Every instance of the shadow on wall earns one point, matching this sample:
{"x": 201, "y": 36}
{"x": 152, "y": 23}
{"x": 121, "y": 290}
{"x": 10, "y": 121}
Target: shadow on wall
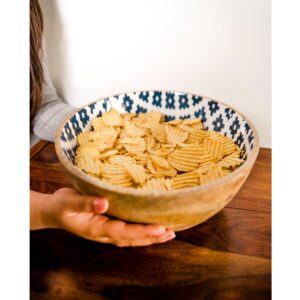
{"x": 55, "y": 43}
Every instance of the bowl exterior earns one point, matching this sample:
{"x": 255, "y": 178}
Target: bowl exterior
{"x": 179, "y": 209}
{"x": 177, "y": 212}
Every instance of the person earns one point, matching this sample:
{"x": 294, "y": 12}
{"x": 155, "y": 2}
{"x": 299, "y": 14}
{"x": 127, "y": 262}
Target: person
{"x": 67, "y": 209}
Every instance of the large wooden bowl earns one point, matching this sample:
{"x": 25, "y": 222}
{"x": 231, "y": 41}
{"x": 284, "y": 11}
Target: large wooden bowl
{"x": 178, "y": 209}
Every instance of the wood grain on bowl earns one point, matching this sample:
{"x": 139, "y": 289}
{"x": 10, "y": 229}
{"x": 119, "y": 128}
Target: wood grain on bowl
{"x": 226, "y": 257}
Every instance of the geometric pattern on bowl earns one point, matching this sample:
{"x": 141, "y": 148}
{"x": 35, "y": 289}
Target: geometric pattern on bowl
{"x": 174, "y": 105}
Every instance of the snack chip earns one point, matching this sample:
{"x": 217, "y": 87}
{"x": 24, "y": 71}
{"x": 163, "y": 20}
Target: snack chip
{"x": 112, "y": 118}
{"x": 215, "y": 148}
{"x": 87, "y": 151}
{"x": 150, "y": 143}
{"x": 128, "y": 116}
{"x": 141, "y": 158}
{"x": 142, "y": 151}
{"x": 90, "y": 165}
{"x": 133, "y": 130}
{"x": 185, "y": 180}
{"x": 84, "y": 138}
{"x": 136, "y": 172}
{"x": 191, "y": 121}
{"x": 107, "y": 154}
{"x": 161, "y": 184}
{"x": 228, "y": 144}
{"x": 107, "y": 135}
{"x": 176, "y": 135}
{"x": 160, "y": 162}
{"x": 230, "y": 161}
{"x": 121, "y": 159}
{"x": 186, "y": 127}
{"x": 189, "y": 158}
{"x": 213, "y": 173}
{"x": 134, "y": 145}
{"x": 174, "y": 122}
{"x": 164, "y": 152}
{"x": 197, "y": 136}
{"x": 159, "y": 132}
{"x": 100, "y": 145}
{"x": 98, "y": 123}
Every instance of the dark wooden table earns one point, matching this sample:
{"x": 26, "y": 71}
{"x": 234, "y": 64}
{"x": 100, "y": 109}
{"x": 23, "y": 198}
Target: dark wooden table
{"x": 227, "y": 257}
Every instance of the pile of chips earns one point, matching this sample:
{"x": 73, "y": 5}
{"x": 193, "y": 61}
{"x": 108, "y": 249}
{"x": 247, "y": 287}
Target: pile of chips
{"x": 142, "y": 151}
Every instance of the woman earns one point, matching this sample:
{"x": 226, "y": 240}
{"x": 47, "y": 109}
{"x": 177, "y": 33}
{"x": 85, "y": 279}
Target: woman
{"x": 66, "y": 208}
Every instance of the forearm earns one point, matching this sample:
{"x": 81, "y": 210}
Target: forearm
{"x": 39, "y": 204}
{"x": 49, "y": 118}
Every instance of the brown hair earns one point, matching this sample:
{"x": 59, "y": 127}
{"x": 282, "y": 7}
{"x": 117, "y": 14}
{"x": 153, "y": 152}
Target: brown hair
{"x": 36, "y": 52}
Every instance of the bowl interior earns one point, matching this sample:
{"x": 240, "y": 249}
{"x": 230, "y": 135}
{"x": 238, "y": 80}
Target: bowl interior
{"x": 214, "y": 115}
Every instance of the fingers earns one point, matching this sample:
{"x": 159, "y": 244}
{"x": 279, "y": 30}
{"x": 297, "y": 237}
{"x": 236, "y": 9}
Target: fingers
{"x": 169, "y": 235}
{"x": 135, "y": 231}
{"x": 90, "y": 204}
{"x": 123, "y": 234}
{"x": 100, "y": 205}
{"x": 83, "y": 217}
{"x": 83, "y": 203}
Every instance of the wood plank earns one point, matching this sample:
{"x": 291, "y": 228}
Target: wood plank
{"x": 255, "y": 194}
{"x": 37, "y": 148}
{"x": 233, "y": 230}
{"x": 47, "y": 186}
{"x": 175, "y": 267}
{"x": 230, "y": 288}
{"x": 63, "y": 292}
{"x": 47, "y": 155}
{"x": 55, "y": 172}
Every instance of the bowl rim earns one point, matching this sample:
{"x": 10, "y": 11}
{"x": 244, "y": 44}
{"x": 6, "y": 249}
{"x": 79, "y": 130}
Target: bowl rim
{"x": 98, "y": 183}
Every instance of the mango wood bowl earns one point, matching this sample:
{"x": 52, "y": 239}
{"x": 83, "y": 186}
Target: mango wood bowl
{"x": 176, "y": 209}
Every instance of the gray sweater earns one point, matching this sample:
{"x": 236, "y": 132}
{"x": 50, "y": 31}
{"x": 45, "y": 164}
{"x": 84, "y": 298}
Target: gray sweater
{"x": 52, "y": 111}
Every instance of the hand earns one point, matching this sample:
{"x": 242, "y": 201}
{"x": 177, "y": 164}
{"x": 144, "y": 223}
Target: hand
{"x": 82, "y": 215}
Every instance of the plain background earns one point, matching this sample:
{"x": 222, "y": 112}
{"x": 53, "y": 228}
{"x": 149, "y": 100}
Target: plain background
{"x": 219, "y": 49}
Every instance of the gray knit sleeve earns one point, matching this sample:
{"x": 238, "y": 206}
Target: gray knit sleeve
{"x": 52, "y": 110}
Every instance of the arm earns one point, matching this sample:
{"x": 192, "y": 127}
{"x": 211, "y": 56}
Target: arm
{"x": 38, "y": 205}
{"x": 52, "y": 110}
{"x": 83, "y": 216}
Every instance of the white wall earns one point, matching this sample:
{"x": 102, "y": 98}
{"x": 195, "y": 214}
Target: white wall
{"x": 216, "y": 48}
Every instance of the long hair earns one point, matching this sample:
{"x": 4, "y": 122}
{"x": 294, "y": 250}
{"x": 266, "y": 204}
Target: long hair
{"x": 36, "y": 53}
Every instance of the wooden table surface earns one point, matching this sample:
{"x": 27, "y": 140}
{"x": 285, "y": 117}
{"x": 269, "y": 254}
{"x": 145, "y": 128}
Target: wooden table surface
{"x": 226, "y": 257}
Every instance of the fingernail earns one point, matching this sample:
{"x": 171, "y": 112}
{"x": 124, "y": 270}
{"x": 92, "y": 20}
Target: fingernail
{"x": 100, "y": 205}
{"x": 160, "y": 230}
{"x": 172, "y": 236}
{"x": 169, "y": 237}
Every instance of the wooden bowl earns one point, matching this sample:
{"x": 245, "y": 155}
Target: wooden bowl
{"x": 177, "y": 209}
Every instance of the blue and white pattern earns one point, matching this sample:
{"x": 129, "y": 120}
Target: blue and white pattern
{"x": 174, "y": 105}
{"x": 170, "y": 101}
{"x": 144, "y": 96}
